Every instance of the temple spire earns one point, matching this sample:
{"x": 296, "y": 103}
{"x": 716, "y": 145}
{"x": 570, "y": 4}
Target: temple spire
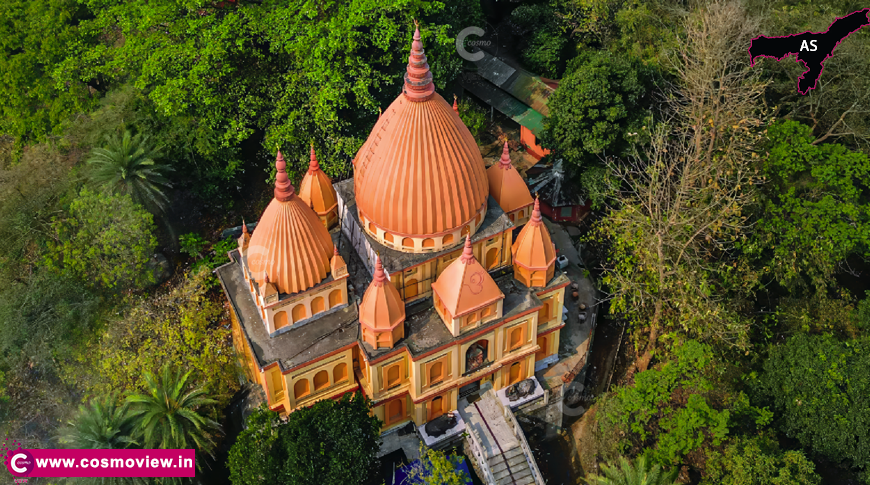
{"x": 283, "y": 188}
{"x": 536, "y": 212}
{"x": 313, "y": 165}
{"x": 467, "y": 252}
{"x": 379, "y": 276}
{"x": 418, "y": 78}
{"x": 505, "y": 161}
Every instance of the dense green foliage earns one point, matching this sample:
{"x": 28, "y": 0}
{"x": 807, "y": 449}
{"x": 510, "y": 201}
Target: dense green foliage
{"x": 818, "y": 386}
{"x": 598, "y": 108}
{"x": 332, "y": 442}
{"x": 815, "y": 213}
{"x": 105, "y": 239}
{"x": 760, "y": 461}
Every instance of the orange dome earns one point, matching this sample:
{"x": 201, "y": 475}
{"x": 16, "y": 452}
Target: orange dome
{"x": 290, "y": 244}
{"x": 464, "y": 286}
{"x": 382, "y": 311}
{"x": 316, "y": 188}
{"x": 420, "y": 172}
{"x": 533, "y": 250}
{"x": 506, "y": 185}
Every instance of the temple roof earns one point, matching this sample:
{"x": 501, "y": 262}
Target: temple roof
{"x": 533, "y": 248}
{"x": 381, "y": 308}
{"x": 316, "y": 188}
{"x": 420, "y": 172}
{"x": 465, "y": 286}
{"x": 506, "y": 185}
{"x": 290, "y": 244}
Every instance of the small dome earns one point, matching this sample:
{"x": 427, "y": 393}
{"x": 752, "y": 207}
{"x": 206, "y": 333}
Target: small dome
{"x": 382, "y": 311}
{"x": 464, "y": 285}
{"x": 290, "y": 243}
{"x": 533, "y": 250}
{"x": 420, "y": 173}
{"x": 316, "y": 188}
{"x": 506, "y": 185}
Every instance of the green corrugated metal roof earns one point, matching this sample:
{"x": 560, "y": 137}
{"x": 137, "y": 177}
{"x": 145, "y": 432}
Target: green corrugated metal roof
{"x": 505, "y": 103}
{"x": 521, "y": 84}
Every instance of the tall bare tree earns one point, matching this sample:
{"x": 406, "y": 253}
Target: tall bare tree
{"x": 678, "y": 211}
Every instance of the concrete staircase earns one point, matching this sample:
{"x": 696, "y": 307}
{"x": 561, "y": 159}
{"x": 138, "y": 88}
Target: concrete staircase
{"x": 500, "y": 450}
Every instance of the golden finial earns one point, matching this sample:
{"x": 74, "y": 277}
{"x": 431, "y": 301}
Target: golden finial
{"x": 416, "y": 23}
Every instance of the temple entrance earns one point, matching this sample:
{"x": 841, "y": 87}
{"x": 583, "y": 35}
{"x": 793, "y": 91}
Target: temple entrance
{"x": 476, "y": 356}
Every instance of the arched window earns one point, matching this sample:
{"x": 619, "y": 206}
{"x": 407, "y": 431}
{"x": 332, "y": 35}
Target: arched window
{"x": 544, "y": 313}
{"x": 515, "y": 374}
{"x": 436, "y": 373}
{"x": 428, "y": 243}
{"x": 410, "y": 288}
{"x": 339, "y": 373}
{"x": 436, "y": 408}
{"x": 388, "y": 237}
{"x": 299, "y": 313}
{"x": 317, "y": 305}
{"x": 281, "y": 320}
{"x": 394, "y": 376}
{"x": 321, "y": 380}
{"x": 301, "y": 389}
{"x": 466, "y": 230}
{"x": 543, "y": 352}
{"x": 334, "y": 298}
{"x": 372, "y": 228}
{"x": 448, "y": 239}
{"x": 486, "y": 312}
{"x": 407, "y": 243}
{"x": 492, "y": 258}
{"x": 511, "y": 216}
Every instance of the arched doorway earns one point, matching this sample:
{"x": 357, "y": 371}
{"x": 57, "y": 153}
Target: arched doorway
{"x": 281, "y": 320}
{"x": 515, "y": 373}
{"x": 317, "y": 305}
{"x": 334, "y": 298}
{"x": 436, "y": 408}
{"x": 476, "y": 355}
{"x": 301, "y": 389}
{"x": 395, "y": 411}
{"x": 492, "y": 258}
{"x": 542, "y": 353}
{"x": 299, "y": 313}
{"x": 544, "y": 313}
{"x": 321, "y": 380}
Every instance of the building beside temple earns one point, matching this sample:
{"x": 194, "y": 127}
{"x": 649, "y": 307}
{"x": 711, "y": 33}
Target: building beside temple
{"x": 403, "y": 282}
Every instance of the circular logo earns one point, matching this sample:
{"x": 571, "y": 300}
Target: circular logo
{"x": 471, "y": 40}
{"x": 20, "y": 463}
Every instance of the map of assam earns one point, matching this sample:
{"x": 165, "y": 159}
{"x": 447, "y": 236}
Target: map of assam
{"x": 809, "y": 48}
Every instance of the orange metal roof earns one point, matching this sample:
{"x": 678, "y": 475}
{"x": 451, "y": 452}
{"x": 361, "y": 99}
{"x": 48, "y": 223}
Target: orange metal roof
{"x": 533, "y": 248}
{"x": 420, "y": 172}
{"x": 506, "y": 185}
{"x": 465, "y": 286}
{"x": 381, "y": 308}
{"x": 316, "y": 188}
{"x": 290, "y": 244}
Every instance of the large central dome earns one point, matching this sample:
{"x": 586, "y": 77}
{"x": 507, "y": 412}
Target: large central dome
{"x": 420, "y": 174}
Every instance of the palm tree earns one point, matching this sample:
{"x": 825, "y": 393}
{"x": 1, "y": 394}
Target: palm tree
{"x": 100, "y": 426}
{"x": 167, "y": 415}
{"x": 638, "y": 473}
{"x": 126, "y": 165}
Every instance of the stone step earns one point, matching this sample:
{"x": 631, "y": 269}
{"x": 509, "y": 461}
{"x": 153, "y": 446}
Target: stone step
{"x": 513, "y": 462}
{"x": 518, "y": 477}
{"x": 516, "y": 451}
